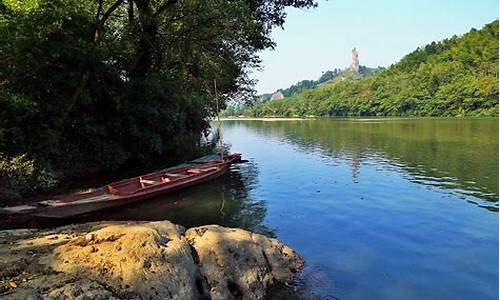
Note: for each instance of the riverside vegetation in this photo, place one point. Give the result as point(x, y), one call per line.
point(454, 77)
point(87, 86)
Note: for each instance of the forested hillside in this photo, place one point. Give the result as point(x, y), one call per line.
point(89, 85)
point(324, 78)
point(454, 77)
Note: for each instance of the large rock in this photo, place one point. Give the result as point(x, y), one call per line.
point(236, 263)
point(132, 259)
point(142, 261)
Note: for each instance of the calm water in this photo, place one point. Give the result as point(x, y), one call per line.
point(401, 209)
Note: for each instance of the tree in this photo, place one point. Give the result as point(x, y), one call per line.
point(96, 84)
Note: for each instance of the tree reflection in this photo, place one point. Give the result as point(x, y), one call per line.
point(456, 155)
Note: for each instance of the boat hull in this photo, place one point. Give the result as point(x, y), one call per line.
point(104, 199)
point(85, 208)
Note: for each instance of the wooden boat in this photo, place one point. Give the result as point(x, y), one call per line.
point(126, 191)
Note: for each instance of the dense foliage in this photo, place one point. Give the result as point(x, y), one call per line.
point(95, 84)
point(454, 77)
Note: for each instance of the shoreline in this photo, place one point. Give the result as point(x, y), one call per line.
point(270, 119)
point(352, 118)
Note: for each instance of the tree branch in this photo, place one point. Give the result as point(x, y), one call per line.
point(110, 10)
point(97, 39)
point(130, 11)
point(99, 10)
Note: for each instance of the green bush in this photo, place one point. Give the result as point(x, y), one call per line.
point(20, 176)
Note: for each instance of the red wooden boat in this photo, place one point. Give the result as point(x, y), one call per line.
point(126, 191)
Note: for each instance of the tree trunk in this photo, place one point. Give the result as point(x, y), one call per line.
point(147, 40)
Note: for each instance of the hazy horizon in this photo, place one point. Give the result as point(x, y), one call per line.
point(321, 39)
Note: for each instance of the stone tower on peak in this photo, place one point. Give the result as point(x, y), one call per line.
point(354, 61)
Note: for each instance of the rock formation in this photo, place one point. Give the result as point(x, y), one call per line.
point(354, 61)
point(155, 260)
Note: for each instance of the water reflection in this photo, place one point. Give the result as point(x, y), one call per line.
point(385, 209)
point(225, 201)
point(460, 156)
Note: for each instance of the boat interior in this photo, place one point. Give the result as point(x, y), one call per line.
point(145, 182)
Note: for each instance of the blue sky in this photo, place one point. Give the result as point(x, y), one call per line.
point(383, 31)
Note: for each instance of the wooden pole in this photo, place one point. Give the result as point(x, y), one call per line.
point(218, 122)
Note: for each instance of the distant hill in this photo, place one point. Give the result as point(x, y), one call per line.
point(454, 77)
point(325, 77)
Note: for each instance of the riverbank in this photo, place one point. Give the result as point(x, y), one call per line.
point(142, 260)
point(266, 119)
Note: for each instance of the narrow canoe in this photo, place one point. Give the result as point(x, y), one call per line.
point(126, 191)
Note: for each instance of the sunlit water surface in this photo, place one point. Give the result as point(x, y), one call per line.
point(379, 209)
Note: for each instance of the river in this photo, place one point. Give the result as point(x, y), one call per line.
point(378, 208)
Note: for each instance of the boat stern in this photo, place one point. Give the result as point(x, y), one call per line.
point(17, 210)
